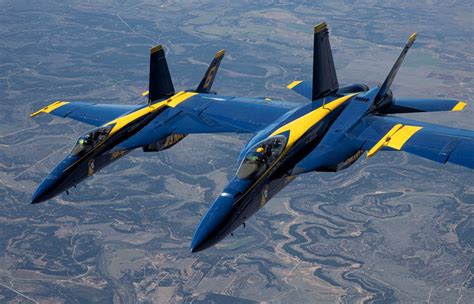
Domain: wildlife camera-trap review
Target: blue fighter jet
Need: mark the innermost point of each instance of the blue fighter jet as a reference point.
(328, 133)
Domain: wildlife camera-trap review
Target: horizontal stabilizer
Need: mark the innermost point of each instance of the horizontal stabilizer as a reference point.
(303, 88)
(161, 84)
(413, 105)
(208, 79)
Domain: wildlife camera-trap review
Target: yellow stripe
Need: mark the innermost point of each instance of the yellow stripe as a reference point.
(50, 108)
(156, 49)
(384, 141)
(459, 106)
(220, 53)
(293, 84)
(179, 98)
(395, 138)
(412, 37)
(173, 101)
(320, 26)
(302, 124)
(145, 93)
(402, 136)
(122, 121)
(296, 132)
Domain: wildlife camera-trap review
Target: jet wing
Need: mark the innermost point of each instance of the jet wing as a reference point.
(95, 114)
(208, 113)
(198, 113)
(437, 143)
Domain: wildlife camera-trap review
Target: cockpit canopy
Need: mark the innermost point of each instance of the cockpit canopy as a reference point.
(261, 156)
(91, 139)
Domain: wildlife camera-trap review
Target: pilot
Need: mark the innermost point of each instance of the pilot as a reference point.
(83, 142)
(260, 155)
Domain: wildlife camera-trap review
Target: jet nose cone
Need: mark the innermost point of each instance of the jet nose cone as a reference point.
(195, 248)
(46, 190)
(212, 227)
(56, 182)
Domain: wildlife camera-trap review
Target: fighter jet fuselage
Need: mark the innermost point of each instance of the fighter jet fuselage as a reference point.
(327, 134)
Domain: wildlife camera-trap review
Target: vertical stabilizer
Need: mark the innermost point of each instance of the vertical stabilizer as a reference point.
(161, 84)
(384, 89)
(208, 79)
(324, 72)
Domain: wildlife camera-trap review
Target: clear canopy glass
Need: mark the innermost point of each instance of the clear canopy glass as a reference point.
(91, 139)
(260, 157)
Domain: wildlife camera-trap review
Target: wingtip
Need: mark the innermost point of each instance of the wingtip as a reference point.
(459, 106)
(50, 108)
(36, 113)
(320, 27)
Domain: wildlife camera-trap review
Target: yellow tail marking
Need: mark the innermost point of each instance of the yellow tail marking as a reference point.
(412, 37)
(173, 101)
(156, 49)
(302, 124)
(395, 138)
(459, 106)
(50, 108)
(293, 84)
(320, 26)
(220, 53)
